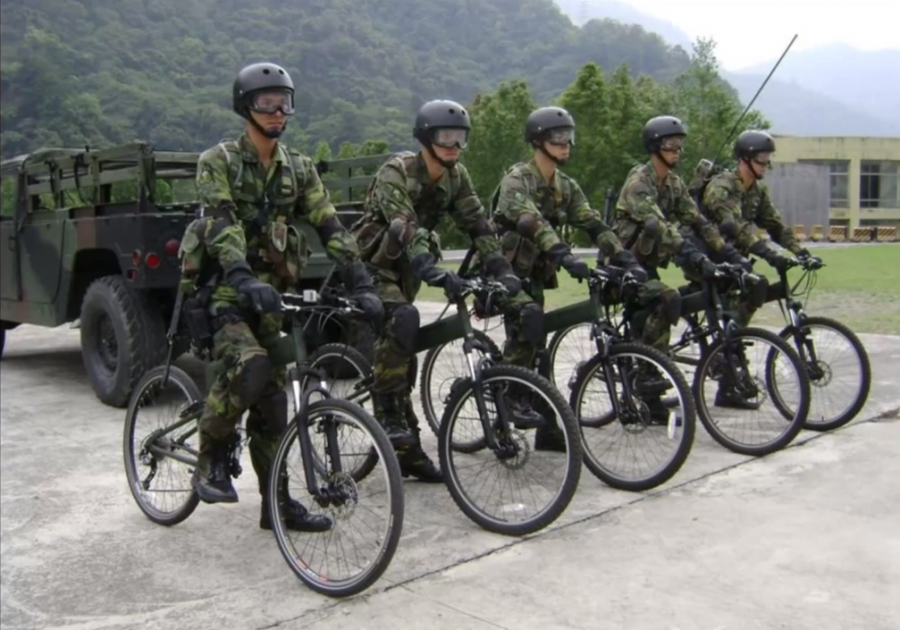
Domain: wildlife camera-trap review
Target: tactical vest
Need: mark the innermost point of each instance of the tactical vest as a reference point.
(272, 241)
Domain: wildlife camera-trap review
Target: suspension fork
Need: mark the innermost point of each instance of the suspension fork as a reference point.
(301, 419)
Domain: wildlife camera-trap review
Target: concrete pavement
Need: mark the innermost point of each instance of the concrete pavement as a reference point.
(806, 538)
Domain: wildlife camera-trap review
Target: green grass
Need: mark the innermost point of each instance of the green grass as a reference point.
(860, 287)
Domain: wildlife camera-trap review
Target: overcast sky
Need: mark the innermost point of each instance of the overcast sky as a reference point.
(748, 32)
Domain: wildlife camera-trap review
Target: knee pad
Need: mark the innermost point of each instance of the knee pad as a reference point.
(670, 306)
(758, 292)
(251, 379)
(403, 327)
(532, 320)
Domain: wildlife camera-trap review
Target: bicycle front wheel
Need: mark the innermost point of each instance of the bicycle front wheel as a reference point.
(161, 443)
(839, 371)
(366, 515)
(734, 392)
(649, 439)
(531, 484)
(444, 367)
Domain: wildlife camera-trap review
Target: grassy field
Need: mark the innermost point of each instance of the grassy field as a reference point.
(859, 286)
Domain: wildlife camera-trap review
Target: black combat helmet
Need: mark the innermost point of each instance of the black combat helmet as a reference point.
(661, 127)
(751, 143)
(439, 115)
(256, 77)
(543, 119)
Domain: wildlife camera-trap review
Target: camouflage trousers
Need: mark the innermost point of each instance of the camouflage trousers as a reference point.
(395, 366)
(238, 346)
(652, 323)
(520, 347)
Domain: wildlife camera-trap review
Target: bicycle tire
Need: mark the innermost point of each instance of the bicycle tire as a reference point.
(553, 347)
(794, 425)
(572, 474)
(428, 406)
(390, 541)
(865, 373)
(360, 363)
(689, 420)
(190, 388)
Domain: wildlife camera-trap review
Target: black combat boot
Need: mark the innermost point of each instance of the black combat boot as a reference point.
(521, 413)
(211, 479)
(296, 517)
(413, 459)
(390, 412)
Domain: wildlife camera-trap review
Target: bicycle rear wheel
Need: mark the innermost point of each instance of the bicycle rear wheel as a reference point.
(163, 451)
(546, 472)
(371, 508)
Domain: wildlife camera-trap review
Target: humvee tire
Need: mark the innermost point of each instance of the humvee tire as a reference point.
(122, 336)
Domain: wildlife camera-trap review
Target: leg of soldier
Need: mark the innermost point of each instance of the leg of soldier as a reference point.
(238, 384)
(743, 308)
(660, 310)
(266, 423)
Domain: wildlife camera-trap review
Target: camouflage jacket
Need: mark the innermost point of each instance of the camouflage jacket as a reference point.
(529, 210)
(642, 200)
(249, 213)
(402, 192)
(725, 198)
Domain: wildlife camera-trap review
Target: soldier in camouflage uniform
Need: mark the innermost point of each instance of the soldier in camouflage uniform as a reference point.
(397, 239)
(245, 252)
(738, 202)
(532, 201)
(659, 221)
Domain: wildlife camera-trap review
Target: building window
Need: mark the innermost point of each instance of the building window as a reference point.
(840, 181)
(879, 184)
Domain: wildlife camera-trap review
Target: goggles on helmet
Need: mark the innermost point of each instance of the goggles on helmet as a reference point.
(561, 137)
(449, 137)
(271, 101)
(672, 145)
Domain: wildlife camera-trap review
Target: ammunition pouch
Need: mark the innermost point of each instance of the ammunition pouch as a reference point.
(521, 253)
(195, 310)
(287, 251)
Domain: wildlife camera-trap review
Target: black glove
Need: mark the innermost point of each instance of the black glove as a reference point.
(627, 261)
(803, 253)
(577, 268)
(264, 297)
(734, 257)
(425, 270)
(362, 291)
(499, 268)
(704, 265)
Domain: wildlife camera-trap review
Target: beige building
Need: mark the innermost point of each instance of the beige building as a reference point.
(865, 175)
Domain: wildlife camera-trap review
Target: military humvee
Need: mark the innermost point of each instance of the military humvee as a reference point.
(92, 236)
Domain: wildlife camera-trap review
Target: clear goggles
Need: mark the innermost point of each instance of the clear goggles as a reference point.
(763, 159)
(561, 137)
(672, 145)
(271, 101)
(450, 137)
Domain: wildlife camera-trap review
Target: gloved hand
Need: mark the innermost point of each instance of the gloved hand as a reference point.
(499, 268)
(803, 253)
(361, 290)
(627, 261)
(731, 255)
(704, 265)
(425, 270)
(578, 269)
(263, 296)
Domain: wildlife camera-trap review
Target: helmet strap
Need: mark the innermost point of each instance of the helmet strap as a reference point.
(659, 155)
(266, 132)
(444, 163)
(749, 163)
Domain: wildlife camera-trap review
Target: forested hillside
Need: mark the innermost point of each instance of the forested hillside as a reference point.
(105, 71)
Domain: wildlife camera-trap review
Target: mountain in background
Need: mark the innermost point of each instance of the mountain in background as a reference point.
(866, 81)
(794, 110)
(77, 72)
(583, 11)
(835, 90)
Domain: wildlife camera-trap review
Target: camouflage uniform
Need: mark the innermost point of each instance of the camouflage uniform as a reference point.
(402, 210)
(248, 214)
(751, 215)
(657, 222)
(528, 211)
